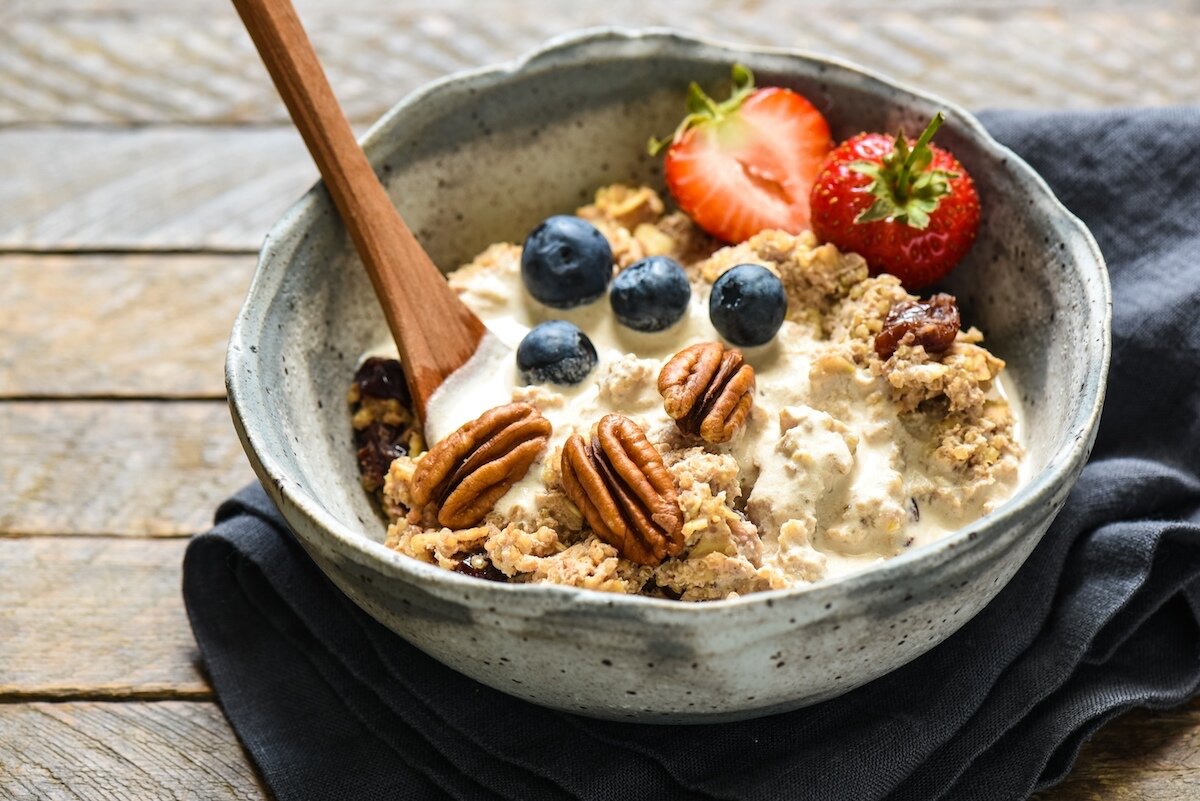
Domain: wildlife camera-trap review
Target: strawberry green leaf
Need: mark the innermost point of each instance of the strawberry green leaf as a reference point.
(879, 210)
(743, 78)
(905, 187)
(698, 103)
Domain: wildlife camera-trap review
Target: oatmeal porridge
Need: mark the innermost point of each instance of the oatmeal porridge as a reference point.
(690, 446)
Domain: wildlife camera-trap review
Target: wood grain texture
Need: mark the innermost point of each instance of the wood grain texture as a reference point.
(174, 751)
(1143, 756)
(179, 750)
(121, 326)
(306, 7)
(94, 617)
(170, 188)
(136, 468)
(136, 60)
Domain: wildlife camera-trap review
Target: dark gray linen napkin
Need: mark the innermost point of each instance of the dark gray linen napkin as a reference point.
(1104, 616)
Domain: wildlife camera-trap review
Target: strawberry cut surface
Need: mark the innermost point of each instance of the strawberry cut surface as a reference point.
(748, 164)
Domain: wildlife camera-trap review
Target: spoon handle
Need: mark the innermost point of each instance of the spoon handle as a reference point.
(435, 332)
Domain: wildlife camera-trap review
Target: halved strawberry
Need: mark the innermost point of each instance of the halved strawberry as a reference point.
(746, 164)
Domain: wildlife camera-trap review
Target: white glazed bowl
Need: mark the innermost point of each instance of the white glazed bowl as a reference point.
(482, 157)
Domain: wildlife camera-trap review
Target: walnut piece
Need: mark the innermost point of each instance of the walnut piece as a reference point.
(707, 390)
(623, 489)
(468, 471)
(933, 324)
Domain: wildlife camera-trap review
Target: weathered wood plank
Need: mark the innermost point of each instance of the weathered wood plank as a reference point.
(117, 326)
(47, 7)
(1143, 756)
(168, 188)
(122, 752)
(134, 60)
(90, 617)
(95, 618)
(180, 750)
(135, 468)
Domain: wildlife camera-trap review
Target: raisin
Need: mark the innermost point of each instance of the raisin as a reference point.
(378, 444)
(382, 378)
(656, 590)
(933, 323)
(478, 565)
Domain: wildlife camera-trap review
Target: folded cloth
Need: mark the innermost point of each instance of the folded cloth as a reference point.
(1104, 616)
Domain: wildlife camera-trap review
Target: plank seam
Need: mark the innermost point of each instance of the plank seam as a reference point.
(134, 696)
(132, 250)
(113, 398)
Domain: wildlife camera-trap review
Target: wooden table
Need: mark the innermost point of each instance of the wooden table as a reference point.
(143, 155)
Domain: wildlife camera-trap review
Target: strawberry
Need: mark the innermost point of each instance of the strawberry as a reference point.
(909, 211)
(746, 164)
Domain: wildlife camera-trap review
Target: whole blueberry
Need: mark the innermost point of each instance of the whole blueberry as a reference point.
(747, 305)
(651, 294)
(555, 352)
(566, 262)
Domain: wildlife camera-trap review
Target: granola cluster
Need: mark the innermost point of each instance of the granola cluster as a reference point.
(818, 485)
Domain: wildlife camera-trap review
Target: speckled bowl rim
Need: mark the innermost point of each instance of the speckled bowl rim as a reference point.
(1039, 491)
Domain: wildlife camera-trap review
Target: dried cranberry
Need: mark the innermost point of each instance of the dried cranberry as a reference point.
(933, 324)
(382, 378)
(378, 445)
(479, 566)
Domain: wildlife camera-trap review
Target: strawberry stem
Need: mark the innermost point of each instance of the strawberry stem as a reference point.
(703, 109)
(906, 188)
(904, 183)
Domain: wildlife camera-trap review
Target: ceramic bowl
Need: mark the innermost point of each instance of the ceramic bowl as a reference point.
(482, 157)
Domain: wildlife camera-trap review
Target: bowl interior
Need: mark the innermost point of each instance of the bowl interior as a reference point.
(484, 158)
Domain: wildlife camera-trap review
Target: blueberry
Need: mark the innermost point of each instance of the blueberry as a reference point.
(651, 295)
(555, 352)
(747, 305)
(566, 262)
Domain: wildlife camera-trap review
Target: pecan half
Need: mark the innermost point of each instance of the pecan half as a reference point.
(707, 390)
(468, 471)
(623, 489)
(933, 323)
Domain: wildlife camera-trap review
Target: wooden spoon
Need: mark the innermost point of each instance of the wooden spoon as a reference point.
(435, 332)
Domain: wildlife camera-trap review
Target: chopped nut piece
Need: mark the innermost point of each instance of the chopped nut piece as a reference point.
(707, 390)
(708, 578)
(932, 323)
(625, 492)
(592, 564)
(814, 276)
(625, 205)
(468, 471)
(963, 376)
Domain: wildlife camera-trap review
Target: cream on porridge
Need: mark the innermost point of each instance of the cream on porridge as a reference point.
(845, 457)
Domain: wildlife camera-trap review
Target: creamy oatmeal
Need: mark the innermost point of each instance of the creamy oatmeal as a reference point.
(851, 450)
